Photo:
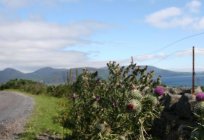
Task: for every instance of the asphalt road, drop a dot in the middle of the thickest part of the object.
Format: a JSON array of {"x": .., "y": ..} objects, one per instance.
[{"x": 14, "y": 109}]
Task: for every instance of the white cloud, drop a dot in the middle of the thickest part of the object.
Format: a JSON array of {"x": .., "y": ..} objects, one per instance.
[
  {"x": 23, "y": 3},
  {"x": 152, "y": 1},
  {"x": 172, "y": 17},
  {"x": 144, "y": 58},
  {"x": 34, "y": 30},
  {"x": 15, "y": 3},
  {"x": 199, "y": 24},
  {"x": 34, "y": 44},
  {"x": 198, "y": 51},
  {"x": 194, "y": 6},
  {"x": 149, "y": 57},
  {"x": 160, "y": 18}
]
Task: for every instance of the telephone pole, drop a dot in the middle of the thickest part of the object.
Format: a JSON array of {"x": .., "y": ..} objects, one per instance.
[
  {"x": 132, "y": 60},
  {"x": 193, "y": 72}
]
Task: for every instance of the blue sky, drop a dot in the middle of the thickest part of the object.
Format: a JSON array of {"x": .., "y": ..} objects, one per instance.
[{"x": 80, "y": 33}]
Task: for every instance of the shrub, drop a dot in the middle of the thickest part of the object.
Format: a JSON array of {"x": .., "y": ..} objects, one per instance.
[
  {"x": 111, "y": 109},
  {"x": 59, "y": 90},
  {"x": 25, "y": 85},
  {"x": 199, "y": 108}
]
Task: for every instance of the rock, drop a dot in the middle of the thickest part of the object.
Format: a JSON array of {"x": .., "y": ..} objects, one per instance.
[
  {"x": 159, "y": 128},
  {"x": 176, "y": 120},
  {"x": 179, "y": 104},
  {"x": 183, "y": 106},
  {"x": 186, "y": 90},
  {"x": 175, "y": 90},
  {"x": 170, "y": 101},
  {"x": 184, "y": 131},
  {"x": 173, "y": 135}
]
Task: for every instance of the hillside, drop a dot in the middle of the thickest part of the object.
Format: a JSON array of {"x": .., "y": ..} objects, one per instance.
[{"x": 58, "y": 76}]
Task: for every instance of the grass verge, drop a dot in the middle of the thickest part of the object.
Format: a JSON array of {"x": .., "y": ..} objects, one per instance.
[{"x": 42, "y": 117}]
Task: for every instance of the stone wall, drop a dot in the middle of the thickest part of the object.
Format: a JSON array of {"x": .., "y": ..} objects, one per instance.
[{"x": 177, "y": 120}]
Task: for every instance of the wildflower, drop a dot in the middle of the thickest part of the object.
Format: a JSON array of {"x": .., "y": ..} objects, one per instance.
[
  {"x": 151, "y": 99},
  {"x": 97, "y": 98},
  {"x": 159, "y": 90},
  {"x": 130, "y": 106},
  {"x": 200, "y": 96},
  {"x": 134, "y": 105}
]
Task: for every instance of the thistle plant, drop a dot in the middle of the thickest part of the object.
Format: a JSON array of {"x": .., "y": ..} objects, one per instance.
[
  {"x": 121, "y": 107},
  {"x": 198, "y": 110}
]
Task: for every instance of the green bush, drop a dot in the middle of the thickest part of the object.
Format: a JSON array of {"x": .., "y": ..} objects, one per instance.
[
  {"x": 25, "y": 85},
  {"x": 59, "y": 90},
  {"x": 112, "y": 109},
  {"x": 38, "y": 88}
]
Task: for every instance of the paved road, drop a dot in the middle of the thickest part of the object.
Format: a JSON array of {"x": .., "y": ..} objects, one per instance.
[{"x": 14, "y": 108}]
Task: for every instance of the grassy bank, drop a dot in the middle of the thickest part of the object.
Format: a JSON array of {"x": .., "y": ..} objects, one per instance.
[{"x": 42, "y": 117}]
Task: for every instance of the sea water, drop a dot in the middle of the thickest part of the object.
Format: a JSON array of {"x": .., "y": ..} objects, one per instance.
[{"x": 184, "y": 81}]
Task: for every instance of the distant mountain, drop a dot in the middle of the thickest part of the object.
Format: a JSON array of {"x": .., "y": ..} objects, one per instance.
[
  {"x": 58, "y": 76},
  {"x": 49, "y": 75},
  {"x": 10, "y": 73},
  {"x": 166, "y": 73},
  {"x": 46, "y": 75}
]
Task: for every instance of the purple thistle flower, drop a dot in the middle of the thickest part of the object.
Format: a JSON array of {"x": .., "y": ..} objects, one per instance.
[
  {"x": 200, "y": 96},
  {"x": 97, "y": 98},
  {"x": 159, "y": 90},
  {"x": 130, "y": 107}
]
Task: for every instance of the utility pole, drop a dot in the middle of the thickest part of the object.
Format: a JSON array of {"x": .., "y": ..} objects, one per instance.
[
  {"x": 193, "y": 72},
  {"x": 132, "y": 60}
]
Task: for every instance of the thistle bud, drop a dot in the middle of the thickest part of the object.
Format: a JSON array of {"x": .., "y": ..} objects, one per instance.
[
  {"x": 136, "y": 94},
  {"x": 134, "y": 105}
]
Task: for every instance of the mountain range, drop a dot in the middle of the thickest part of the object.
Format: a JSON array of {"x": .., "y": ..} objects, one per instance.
[{"x": 50, "y": 75}]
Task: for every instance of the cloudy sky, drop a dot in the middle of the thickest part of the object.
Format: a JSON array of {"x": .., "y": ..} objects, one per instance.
[{"x": 79, "y": 33}]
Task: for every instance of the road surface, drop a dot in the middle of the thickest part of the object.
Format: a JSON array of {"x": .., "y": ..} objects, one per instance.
[{"x": 14, "y": 109}]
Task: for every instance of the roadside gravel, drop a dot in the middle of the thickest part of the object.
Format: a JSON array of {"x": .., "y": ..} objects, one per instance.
[{"x": 14, "y": 109}]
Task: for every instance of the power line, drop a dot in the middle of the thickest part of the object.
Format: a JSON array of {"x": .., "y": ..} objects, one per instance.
[
  {"x": 172, "y": 43},
  {"x": 177, "y": 41},
  {"x": 167, "y": 56}
]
